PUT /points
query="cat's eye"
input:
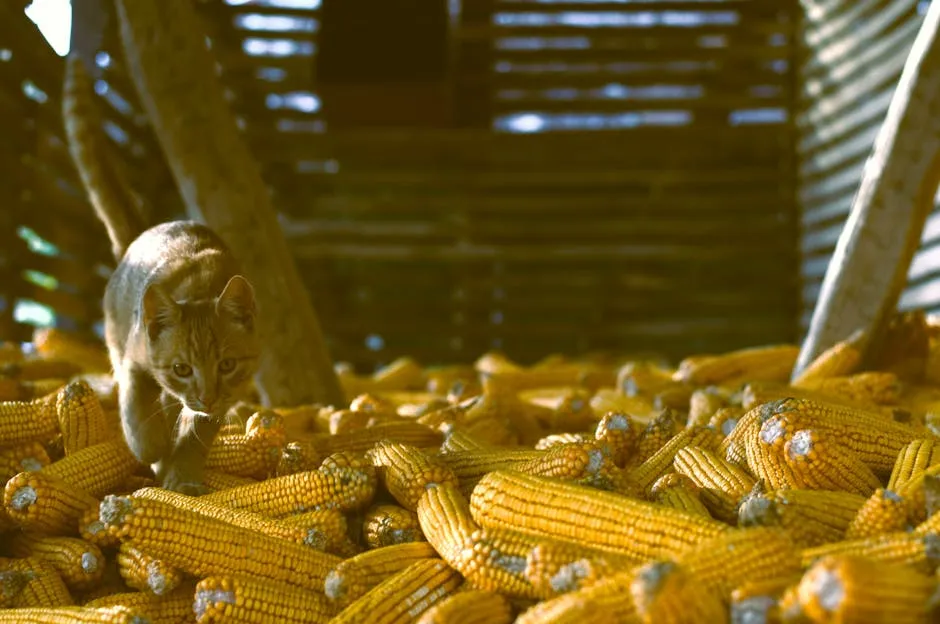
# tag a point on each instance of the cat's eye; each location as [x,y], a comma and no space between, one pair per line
[182,370]
[226,365]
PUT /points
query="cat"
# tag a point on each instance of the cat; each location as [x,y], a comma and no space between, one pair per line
[179,317]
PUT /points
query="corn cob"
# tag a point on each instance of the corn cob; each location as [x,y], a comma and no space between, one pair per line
[28,421]
[173,608]
[243,519]
[297,457]
[79,563]
[726,419]
[352,578]
[641,377]
[81,417]
[821,464]
[45,587]
[869,388]
[493,431]
[662,460]
[38,502]
[347,459]
[855,589]
[703,404]
[407,472]
[349,421]
[662,591]
[569,461]
[254,454]
[472,606]
[677,491]
[200,546]
[344,489]
[920,552]
[811,517]
[884,512]
[413,433]
[227,598]
[111,582]
[608,601]
[573,412]
[525,421]
[559,439]
[618,431]
[916,490]
[145,573]
[22,457]
[470,466]
[216,480]
[655,435]
[551,509]
[722,484]
[324,529]
[766,452]
[368,402]
[913,460]
[554,568]
[405,596]
[12,584]
[56,344]
[98,469]
[71,615]
[742,555]
[759,601]
[768,363]
[677,397]
[458,441]
[386,525]
[843,358]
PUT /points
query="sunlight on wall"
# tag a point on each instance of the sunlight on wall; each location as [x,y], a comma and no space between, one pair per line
[54,20]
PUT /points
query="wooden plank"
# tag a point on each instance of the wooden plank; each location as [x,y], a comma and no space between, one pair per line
[709,101]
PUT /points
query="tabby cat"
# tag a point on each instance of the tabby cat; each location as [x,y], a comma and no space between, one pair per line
[179,317]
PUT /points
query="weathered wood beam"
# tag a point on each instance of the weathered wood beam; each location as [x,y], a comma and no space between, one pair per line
[174,73]
[868,270]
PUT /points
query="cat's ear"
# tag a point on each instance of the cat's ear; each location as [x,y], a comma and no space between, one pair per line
[237,301]
[158,310]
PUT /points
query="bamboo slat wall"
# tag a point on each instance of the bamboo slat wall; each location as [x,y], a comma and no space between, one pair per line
[858,49]
[636,190]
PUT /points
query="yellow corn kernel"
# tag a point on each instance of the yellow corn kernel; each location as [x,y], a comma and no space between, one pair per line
[558,439]
[360,441]
[30,456]
[386,525]
[618,432]
[555,568]
[229,598]
[869,388]
[883,512]
[922,486]
[81,417]
[39,502]
[145,573]
[28,421]
[79,563]
[842,358]
[811,517]
[920,552]
[525,421]
[662,460]
[349,421]
[758,601]
[470,466]
[678,492]
[12,584]
[663,591]
[556,510]
[703,404]
[848,588]
[217,480]
[472,606]
[642,377]
[199,545]
[726,419]
[766,455]
[821,463]
[458,441]
[70,615]
[254,454]
[608,601]
[297,457]
[742,555]
[98,469]
[235,517]
[344,489]
[407,472]
[45,587]
[324,529]
[173,608]
[570,461]
[912,461]
[405,596]
[352,578]
[494,431]
[721,484]
[767,363]
[655,435]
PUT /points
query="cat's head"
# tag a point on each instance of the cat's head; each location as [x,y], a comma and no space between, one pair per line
[205,352]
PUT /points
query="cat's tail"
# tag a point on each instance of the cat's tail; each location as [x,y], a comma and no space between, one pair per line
[113,199]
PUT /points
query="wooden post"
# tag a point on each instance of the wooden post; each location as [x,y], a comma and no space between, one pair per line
[868,270]
[175,76]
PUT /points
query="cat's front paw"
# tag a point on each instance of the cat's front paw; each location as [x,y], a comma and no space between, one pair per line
[184,484]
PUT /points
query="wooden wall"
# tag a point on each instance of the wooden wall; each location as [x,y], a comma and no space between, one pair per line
[857,51]
[635,189]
